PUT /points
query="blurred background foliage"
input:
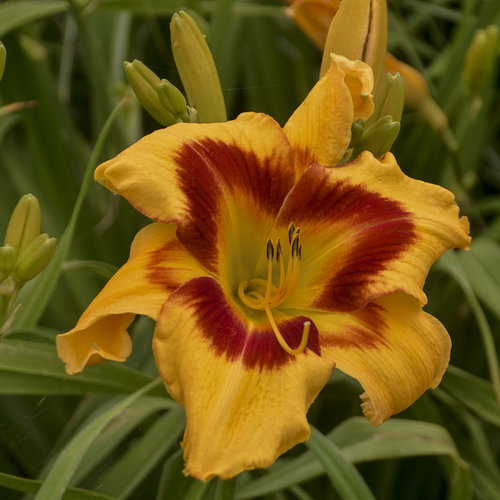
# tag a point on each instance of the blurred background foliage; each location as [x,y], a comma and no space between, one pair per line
[63,78]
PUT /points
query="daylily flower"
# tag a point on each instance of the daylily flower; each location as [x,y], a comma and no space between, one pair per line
[267,266]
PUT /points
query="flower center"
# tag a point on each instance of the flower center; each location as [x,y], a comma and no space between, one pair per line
[263,295]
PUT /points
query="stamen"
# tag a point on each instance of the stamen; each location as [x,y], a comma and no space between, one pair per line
[282,341]
[261,294]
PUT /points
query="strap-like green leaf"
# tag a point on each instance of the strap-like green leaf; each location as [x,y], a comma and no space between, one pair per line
[60,475]
[345,478]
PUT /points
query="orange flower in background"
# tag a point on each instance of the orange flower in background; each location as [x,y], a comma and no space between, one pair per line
[268,266]
[313,17]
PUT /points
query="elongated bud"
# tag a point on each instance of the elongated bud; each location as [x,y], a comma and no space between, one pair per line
[389,98]
[24,224]
[197,69]
[359,31]
[480,58]
[3,58]
[7,260]
[147,86]
[34,258]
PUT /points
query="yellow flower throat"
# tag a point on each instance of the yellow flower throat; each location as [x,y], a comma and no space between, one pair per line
[262,295]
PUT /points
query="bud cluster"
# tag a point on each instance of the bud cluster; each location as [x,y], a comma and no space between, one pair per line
[380,131]
[197,71]
[24,254]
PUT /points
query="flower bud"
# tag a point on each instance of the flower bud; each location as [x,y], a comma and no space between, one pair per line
[173,100]
[144,83]
[34,258]
[480,59]
[389,98]
[359,31]
[3,58]
[7,260]
[24,224]
[378,138]
[197,69]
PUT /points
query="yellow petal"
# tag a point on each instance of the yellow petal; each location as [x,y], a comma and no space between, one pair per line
[394,349]
[245,398]
[320,128]
[368,230]
[313,17]
[200,175]
[157,265]
[359,31]
[359,81]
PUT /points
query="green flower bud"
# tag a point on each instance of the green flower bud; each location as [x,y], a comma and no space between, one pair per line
[378,138]
[144,82]
[480,58]
[357,130]
[389,98]
[7,260]
[173,100]
[3,58]
[34,258]
[24,224]
[197,69]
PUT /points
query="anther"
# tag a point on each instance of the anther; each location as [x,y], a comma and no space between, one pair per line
[278,251]
[295,246]
[300,253]
[270,250]
[291,231]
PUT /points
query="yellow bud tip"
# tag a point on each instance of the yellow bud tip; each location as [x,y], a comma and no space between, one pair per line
[24,224]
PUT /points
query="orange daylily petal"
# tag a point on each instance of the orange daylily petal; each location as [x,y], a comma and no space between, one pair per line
[320,128]
[205,178]
[157,265]
[394,349]
[245,398]
[313,17]
[359,81]
[368,230]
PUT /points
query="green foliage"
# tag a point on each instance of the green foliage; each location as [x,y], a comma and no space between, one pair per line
[112,431]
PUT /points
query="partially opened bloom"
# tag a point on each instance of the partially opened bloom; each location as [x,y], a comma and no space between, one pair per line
[314,17]
[266,267]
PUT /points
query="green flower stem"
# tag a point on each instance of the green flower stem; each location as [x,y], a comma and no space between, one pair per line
[35,302]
